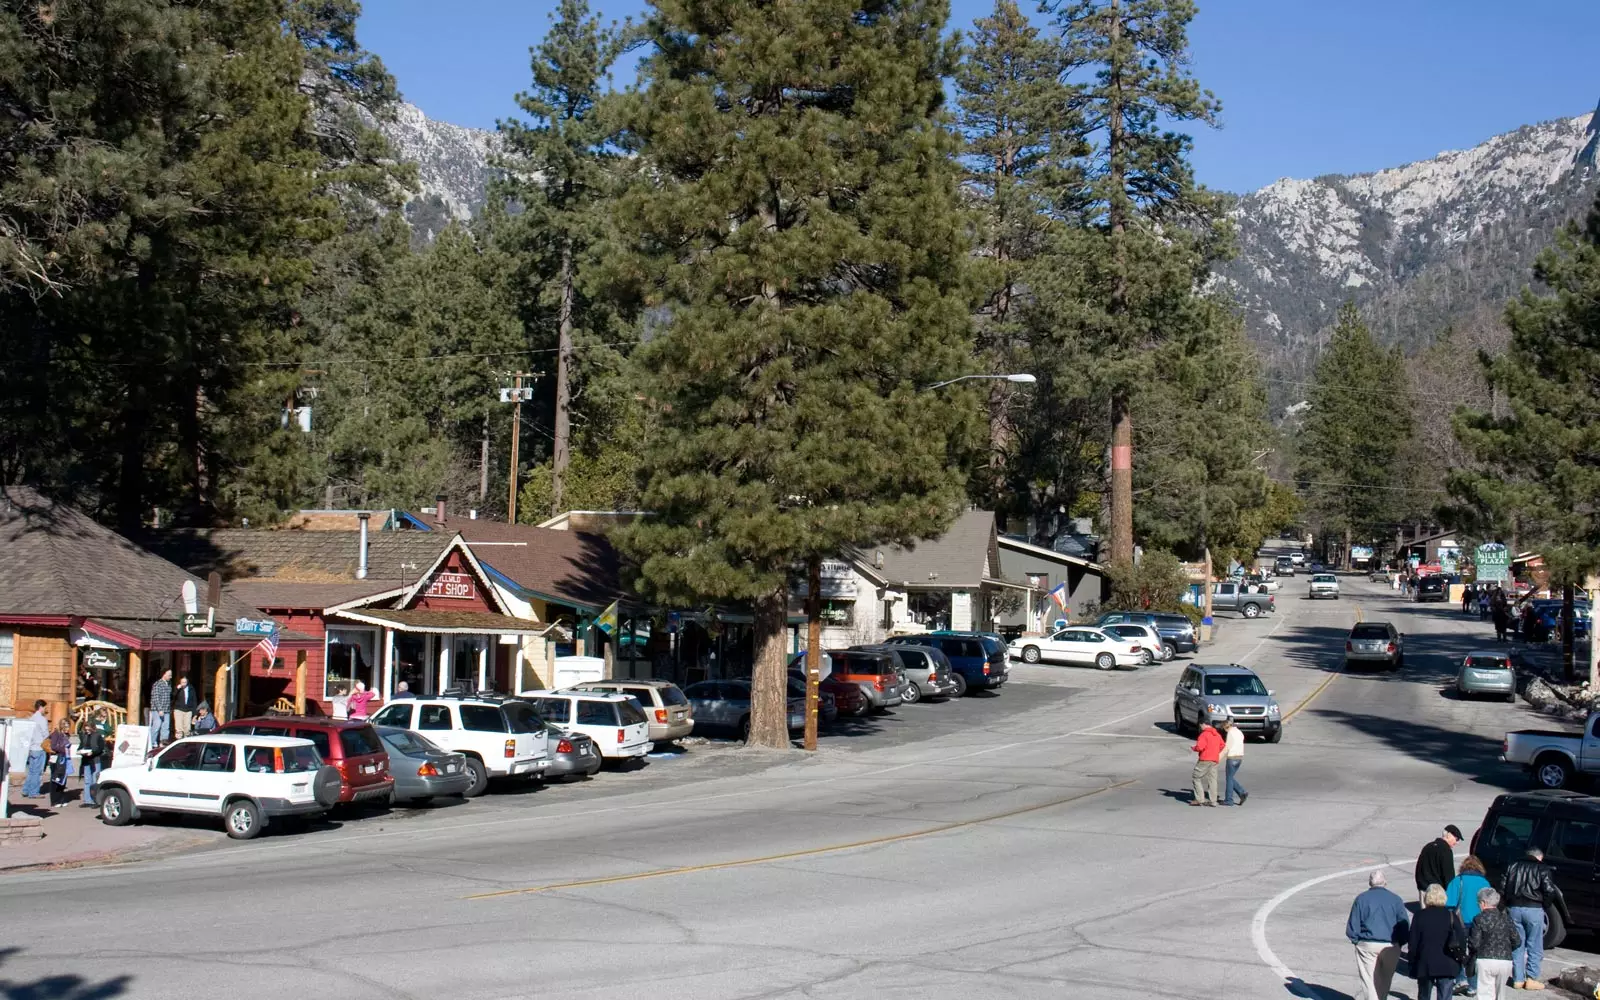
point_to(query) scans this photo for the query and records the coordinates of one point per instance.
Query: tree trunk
(563, 444)
(769, 680)
(1121, 480)
(813, 646)
(1116, 209)
(1345, 558)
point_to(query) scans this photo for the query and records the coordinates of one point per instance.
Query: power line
(393, 360)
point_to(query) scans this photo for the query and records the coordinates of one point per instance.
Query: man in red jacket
(1209, 747)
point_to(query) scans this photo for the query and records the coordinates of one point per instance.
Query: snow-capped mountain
(1413, 245)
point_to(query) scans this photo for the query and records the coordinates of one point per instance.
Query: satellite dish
(191, 598)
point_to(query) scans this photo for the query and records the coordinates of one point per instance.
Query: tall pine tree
(796, 226)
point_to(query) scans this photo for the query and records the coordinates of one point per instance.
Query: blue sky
(1307, 87)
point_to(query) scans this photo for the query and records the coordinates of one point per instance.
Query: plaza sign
(1494, 563)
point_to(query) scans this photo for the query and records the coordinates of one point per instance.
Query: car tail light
(1505, 746)
(1391, 647)
(427, 771)
(277, 759)
(622, 734)
(661, 716)
(879, 682)
(1136, 648)
(511, 748)
(565, 746)
(933, 676)
(986, 670)
(1349, 647)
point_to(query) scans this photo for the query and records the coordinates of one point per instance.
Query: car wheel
(1277, 736)
(1510, 699)
(961, 685)
(1552, 772)
(1146, 658)
(115, 807)
(913, 694)
(1030, 654)
(1252, 610)
(1170, 650)
(480, 778)
(242, 819)
(1555, 929)
(744, 728)
(1105, 661)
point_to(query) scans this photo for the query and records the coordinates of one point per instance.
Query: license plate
(452, 768)
(583, 751)
(369, 769)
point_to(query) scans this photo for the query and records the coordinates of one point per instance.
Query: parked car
(876, 672)
(1488, 671)
(1283, 566)
(1266, 580)
(1080, 645)
(245, 780)
(496, 743)
(615, 722)
(1431, 588)
(827, 708)
(1541, 620)
(351, 746)
(422, 771)
(725, 704)
(572, 755)
(1562, 824)
(1229, 691)
(1375, 643)
(1323, 585)
(1239, 597)
(1176, 630)
(978, 659)
(848, 698)
(1151, 648)
(663, 703)
(1555, 757)
(927, 671)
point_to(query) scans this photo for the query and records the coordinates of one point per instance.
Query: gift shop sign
(453, 585)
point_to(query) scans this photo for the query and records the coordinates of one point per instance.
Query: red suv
(352, 747)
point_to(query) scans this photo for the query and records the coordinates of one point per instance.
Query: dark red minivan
(351, 746)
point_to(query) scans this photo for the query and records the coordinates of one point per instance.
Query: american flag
(269, 647)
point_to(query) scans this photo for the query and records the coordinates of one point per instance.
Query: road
(997, 847)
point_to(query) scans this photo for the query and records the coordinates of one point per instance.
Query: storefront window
(102, 675)
(352, 655)
(8, 643)
(930, 608)
(411, 662)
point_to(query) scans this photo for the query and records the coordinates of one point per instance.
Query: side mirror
(1270, 692)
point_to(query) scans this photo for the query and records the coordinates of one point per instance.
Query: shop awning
(444, 622)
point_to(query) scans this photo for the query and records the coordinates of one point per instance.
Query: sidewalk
(74, 835)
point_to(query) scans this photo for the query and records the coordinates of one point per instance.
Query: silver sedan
(1488, 671)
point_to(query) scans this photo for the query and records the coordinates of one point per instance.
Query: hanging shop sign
(197, 624)
(457, 586)
(102, 659)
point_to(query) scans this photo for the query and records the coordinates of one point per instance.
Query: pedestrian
(92, 751)
(1527, 887)
(1377, 926)
(36, 730)
(1437, 861)
(1494, 940)
(1233, 759)
(402, 690)
(356, 706)
(1461, 895)
(204, 721)
(1437, 946)
(161, 709)
(184, 700)
(1209, 746)
(60, 751)
(1502, 620)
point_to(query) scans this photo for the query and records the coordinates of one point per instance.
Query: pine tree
(558, 170)
(1541, 451)
(1358, 424)
(1140, 192)
(796, 229)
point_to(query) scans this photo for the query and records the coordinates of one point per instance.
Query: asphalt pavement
(1035, 843)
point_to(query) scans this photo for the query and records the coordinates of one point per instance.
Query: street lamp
(1021, 377)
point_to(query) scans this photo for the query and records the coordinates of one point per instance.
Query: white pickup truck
(1555, 757)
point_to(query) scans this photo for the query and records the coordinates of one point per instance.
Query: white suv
(615, 722)
(1324, 585)
(496, 743)
(246, 780)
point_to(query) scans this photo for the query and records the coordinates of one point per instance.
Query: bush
(1158, 583)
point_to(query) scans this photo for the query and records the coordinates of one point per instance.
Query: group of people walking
(1468, 937)
(1220, 755)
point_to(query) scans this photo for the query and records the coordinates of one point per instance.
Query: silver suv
(1227, 691)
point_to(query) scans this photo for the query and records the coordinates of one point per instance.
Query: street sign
(255, 626)
(522, 395)
(197, 624)
(1494, 563)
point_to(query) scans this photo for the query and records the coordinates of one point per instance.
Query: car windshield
(357, 742)
(630, 714)
(1324, 578)
(521, 717)
(407, 742)
(1222, 685)
(1369, 632)
(1126, 631)
(1488, 663)
(670, 695)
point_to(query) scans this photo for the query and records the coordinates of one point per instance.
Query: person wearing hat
(1436, 864)
(1209, 746)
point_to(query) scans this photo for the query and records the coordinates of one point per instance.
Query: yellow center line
(790, 855)
(1320, 687)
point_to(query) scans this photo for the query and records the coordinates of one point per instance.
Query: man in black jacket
(1436, 864)
(1528, 887)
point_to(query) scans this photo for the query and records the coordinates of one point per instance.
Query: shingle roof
(574, 567)
(318, 596)
(956, 560)
(424, 620)
(56, 560)
(293, 555)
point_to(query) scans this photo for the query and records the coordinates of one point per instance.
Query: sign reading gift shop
(454, 585)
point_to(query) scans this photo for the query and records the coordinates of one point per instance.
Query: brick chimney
(438, 509)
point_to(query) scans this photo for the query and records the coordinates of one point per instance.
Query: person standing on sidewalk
(184, 701)
(1232, 760)
(161, 709)
(1494, 940)
(60, 744)
(1528, 886)
(1461, 895)
(1436, 863)
(1436, 938)
(92, 747)
(36, 730)
(1209, 746)
(1378, 924)
(356, 706)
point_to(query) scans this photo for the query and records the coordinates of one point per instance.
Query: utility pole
(813, 646)
(516, 395)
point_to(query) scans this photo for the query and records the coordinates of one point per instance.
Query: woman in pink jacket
(356, 706)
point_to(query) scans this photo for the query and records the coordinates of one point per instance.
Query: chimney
(438, 509)
(361, 565)
(472, 515)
